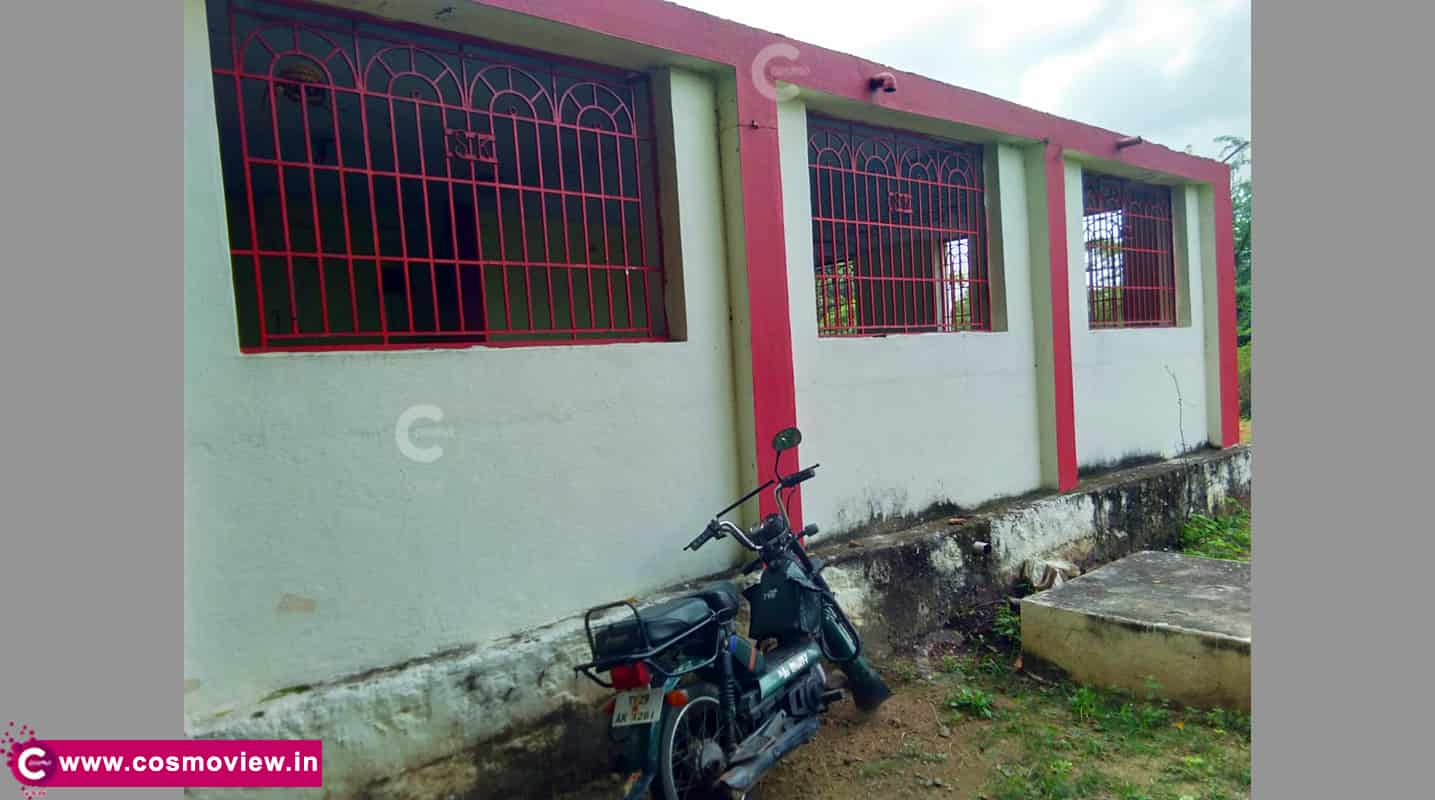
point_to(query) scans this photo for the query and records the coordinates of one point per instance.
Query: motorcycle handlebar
(717, 528)
(702, 538)
(789, 481)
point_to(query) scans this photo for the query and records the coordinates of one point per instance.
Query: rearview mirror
(786, 439)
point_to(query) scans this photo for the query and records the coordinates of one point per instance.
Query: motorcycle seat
(662, 623)
(721, 597)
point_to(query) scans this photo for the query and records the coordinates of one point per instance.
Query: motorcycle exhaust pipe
(742, 776)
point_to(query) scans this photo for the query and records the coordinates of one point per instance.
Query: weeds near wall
(1226, 535)
(1007, 626)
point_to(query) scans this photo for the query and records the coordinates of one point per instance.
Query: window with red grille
(899, 233)
(1130, 269)
(389, 186)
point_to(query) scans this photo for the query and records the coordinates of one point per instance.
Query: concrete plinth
(1180, 621)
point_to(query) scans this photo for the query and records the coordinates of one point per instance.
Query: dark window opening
(388, 187)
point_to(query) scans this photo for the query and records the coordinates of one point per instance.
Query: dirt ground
(964, 724)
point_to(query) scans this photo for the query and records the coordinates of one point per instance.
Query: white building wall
(902, 422)
(315, 548)
(1140, 392)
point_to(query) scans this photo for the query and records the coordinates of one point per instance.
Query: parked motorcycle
(702, 712)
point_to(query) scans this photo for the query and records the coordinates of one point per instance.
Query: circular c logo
(403, 435)
(34, 764)
(766, 86)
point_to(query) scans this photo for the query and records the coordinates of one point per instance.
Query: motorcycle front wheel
(690, 751)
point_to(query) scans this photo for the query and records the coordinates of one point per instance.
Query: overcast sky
(1177, 72)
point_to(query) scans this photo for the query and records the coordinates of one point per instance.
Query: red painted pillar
(1063, 395)
(774, 389)
(1226, 312)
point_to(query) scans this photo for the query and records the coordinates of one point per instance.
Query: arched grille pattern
(1130, 269)
(899, 232)
(389, 186)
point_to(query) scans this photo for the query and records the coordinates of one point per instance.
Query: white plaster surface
(905, 421)
(568, 476)
(1139, 391)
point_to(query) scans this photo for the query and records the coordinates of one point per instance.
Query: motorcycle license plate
(637, 707)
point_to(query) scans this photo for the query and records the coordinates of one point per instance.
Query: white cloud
(846, 25)
(992, 27)
(1162, 69)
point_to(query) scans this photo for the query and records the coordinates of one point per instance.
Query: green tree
(1237, 152)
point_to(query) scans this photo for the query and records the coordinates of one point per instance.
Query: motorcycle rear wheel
(690, 751)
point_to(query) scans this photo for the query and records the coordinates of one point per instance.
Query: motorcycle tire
(690, 742)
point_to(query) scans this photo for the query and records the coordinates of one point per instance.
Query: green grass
(1060, 740)
(1226, 535)
(1072, 757)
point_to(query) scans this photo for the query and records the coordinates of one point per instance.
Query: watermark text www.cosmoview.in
(40, 765)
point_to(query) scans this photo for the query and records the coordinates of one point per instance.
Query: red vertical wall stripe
(1063, 392)
(774, 388)
(1226, 312)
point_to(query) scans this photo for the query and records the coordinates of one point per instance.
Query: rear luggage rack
(648, 652)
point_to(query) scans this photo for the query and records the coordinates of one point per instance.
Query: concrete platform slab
(1180, 621)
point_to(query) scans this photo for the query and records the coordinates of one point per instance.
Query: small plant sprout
(973, 702)
(1084, 703)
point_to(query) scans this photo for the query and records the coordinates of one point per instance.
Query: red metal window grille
(899, 232)
(1130, 269)
(390, 186)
